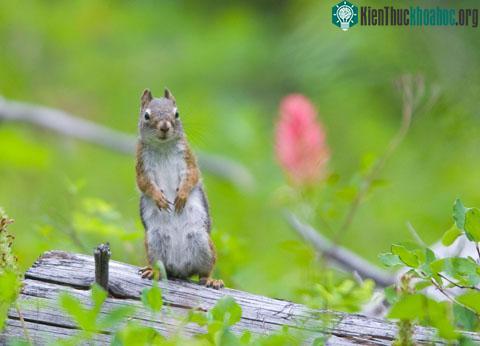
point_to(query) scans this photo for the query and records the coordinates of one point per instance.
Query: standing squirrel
(173, 205)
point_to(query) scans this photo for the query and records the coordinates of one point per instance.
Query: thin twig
(452, 299)
(457, 284)
(442, 291)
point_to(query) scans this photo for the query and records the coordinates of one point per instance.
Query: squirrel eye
(147, 115)
(177, 114)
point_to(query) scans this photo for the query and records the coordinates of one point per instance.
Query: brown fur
(190, 181)
(214, 251)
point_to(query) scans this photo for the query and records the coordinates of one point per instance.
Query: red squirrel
(173, 205)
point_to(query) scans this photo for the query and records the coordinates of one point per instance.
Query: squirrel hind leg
(212, 283)
(206, 279)
(146, 272)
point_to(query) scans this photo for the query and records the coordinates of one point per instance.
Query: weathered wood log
(57, 271)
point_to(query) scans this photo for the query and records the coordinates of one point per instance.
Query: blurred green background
(229, 64)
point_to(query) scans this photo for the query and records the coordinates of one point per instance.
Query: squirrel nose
(164, 127)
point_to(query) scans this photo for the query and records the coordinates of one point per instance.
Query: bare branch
(75, 127)
(340, 255)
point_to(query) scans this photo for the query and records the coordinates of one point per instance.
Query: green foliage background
(229, 65)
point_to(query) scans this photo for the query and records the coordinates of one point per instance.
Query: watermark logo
(344, 15)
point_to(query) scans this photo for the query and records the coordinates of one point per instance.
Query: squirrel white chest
(179, 240)
(166, 167)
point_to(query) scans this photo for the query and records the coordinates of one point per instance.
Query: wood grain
(57, 272)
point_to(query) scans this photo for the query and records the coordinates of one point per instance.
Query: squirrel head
(159, 118)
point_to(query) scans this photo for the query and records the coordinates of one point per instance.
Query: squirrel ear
(146, 97)
(169, 95)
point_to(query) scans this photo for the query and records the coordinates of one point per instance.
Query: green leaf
(451, 235)
(465, 270)
(465, 318)
(226, 311)
(422, 285)
(136, 334)
(391, 294)
(246, 337)
(98, 297)
(466, 341)
(429, 256)
(226, 338)
(214, 327)
(389, 259)
(471, 300)
(198, 317)
(115, 316)
(409, 307)
(428, 311)
(459, 214)
(320, 341)
(438, 316)
(472, 224)
(345, 286)
(85, 318)
(408, 257)
(19, 343)
(75, 309)
(9, 288)
(152, 297)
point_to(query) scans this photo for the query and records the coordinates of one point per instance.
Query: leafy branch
(456, 278)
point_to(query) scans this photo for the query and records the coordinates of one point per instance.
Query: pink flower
(301, 146)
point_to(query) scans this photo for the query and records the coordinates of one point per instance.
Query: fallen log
(57, 271)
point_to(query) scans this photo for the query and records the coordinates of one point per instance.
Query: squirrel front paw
(162, 202)
(180, 201)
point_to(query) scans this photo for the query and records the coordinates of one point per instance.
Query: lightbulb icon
(345, 16)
